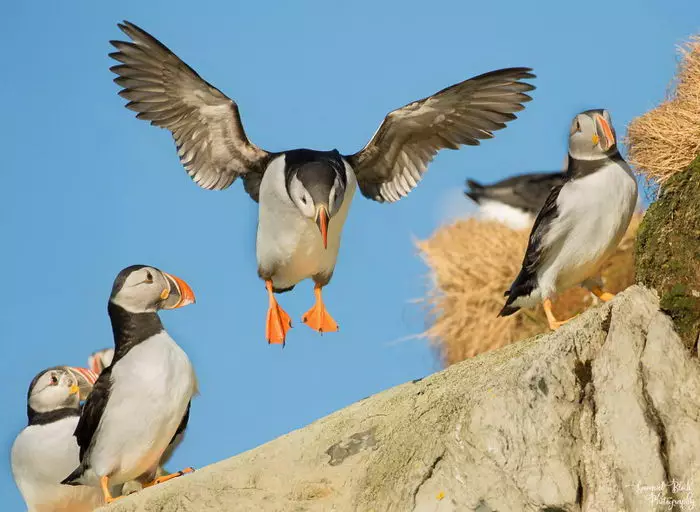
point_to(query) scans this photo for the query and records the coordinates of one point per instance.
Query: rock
(668, 251)
(602, 415)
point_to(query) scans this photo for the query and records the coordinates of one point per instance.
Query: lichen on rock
(668, 251)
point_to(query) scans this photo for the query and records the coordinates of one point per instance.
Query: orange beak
(608, 139)
(184, 291)
(322, 223)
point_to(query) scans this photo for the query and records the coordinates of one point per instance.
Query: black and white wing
(394, 160)
(204, 122)
(92, 411)
(535, 254)
(525, 191)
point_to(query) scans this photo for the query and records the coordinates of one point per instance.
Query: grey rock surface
(601, 415)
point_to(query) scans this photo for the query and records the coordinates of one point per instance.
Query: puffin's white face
(301, 198)
(591, 136)
(142, 289)
(55, 389)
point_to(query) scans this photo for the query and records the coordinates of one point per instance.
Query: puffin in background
(304, 195)
(45, 451)
(514, 201)
(141, 401)
(100, 360)
(581, 222)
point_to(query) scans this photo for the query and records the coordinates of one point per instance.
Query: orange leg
(165, 478)
(554, 324)
(278, 321)
(317, 317)
(104, 484)
(604, 296)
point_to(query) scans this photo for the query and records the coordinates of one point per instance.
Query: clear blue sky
(88, 189)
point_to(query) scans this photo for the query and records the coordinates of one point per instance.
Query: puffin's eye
(54, 380)
(149, 277)
(303, 199)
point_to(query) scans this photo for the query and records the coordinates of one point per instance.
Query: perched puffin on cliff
(97, 362)
(45, 451)
(305, 195)
(514, 201)
(141, 401)
(581, 222)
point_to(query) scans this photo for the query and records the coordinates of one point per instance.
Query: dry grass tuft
(473, 262)
(665, 140)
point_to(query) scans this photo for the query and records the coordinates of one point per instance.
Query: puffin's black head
(59, 387)
(143, 289)
(316, 183)
(592, 136)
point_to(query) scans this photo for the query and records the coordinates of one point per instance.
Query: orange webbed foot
(278, 322)
(104, 485)
(554, 324)
(318, 317)
(604, 296)
(165, 478)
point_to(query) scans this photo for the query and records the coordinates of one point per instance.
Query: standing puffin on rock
(46, 451)
(141, 401)
(97, 362)
(581, 222)
(305, 195)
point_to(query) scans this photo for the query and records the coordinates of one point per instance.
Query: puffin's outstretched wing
(205, 123)
(393, 162)
(525, 191)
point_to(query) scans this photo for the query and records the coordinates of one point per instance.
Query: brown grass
(473, 262)
(666, 140)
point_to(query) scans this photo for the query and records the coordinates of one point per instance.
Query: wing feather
(205, 123)
(397, 156)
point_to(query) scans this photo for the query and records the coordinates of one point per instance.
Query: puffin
(140, 402)
(45, 451)
(304, 195)
(98, 361)
(581, 222)
(514, 201)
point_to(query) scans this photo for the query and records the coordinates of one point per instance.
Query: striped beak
(322, 223)
(604, 135)
(178, 294)
(85, 381)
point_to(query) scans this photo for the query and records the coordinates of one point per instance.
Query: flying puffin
(141, 401)
(514, 201)
(45, 451)
(582, 220)
(304, 195)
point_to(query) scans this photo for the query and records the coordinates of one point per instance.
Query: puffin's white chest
(42, 456)
(151, 387)
(289, 245)
(594, 213)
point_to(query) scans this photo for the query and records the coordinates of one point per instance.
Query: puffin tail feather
(75, 477)
(476, 191)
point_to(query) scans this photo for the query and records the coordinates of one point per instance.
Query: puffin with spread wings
(304, 195)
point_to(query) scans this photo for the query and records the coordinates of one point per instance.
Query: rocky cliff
(602, 415)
